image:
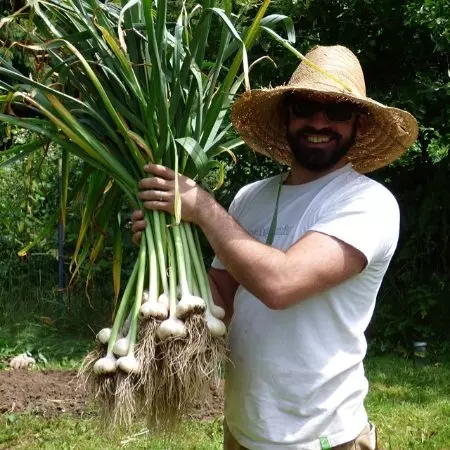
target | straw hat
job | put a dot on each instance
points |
(329, 73)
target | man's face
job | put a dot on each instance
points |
(320, 134)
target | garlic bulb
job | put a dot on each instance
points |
(104, 335)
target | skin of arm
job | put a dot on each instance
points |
(315, 263)
(223, 288)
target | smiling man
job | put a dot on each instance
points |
(321, 134)
(299, 305)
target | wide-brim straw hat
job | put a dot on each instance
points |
(329, 74)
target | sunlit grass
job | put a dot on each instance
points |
(410, 406)
(26, 432)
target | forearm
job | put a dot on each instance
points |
(221, 298)
(257, 266)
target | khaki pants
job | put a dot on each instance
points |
(365, 441)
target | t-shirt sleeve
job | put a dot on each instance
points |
(368, 220)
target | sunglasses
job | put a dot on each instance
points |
(336, 112)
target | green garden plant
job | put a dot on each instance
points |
(124, 86)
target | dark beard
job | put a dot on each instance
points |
(316, 159)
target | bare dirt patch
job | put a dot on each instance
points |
(46, 393)
(49, 393)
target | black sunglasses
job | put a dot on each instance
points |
(305, 108)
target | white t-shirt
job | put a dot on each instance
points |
(296, 378)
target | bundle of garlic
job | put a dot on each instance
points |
(166, 366)
(126, 86)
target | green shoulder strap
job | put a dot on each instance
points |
(273, 225)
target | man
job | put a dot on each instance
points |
(300, 306)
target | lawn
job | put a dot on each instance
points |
(26, 432)
(411, 406)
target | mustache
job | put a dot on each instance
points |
(303, 132)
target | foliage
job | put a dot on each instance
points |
(403, 48)
(28, 197)
(15, 55)
(413, 302)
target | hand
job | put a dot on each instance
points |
(158, 192)
(138, 226)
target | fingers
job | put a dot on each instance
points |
(137, 221)
(160, 171)
(136, 238)
(137, 215)
(159, 205)
(154, 195)
(155, 183)
(157, 192)
(138, 225)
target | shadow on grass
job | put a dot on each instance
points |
(56, 330)
(56, 346)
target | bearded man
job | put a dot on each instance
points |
(299, 303)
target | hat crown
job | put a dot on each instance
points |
(337, 61)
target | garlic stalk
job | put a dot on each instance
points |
(164, 300)
(108, 364)
(129, 363)
(173, 327)
(153, 308)
(188, 304)
(150, 306)
(105, 365)
(126, 326)
(159, 220)
(216, 310)
(215, 325)
(104, 335)
(122, 345)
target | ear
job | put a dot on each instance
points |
(362, 123)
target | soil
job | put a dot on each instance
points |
(52, 392)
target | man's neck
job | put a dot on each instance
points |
(300, 175)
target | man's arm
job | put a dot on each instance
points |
(314, 264)
(223, 288)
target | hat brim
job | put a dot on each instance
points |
(260, 119)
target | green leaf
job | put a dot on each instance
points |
(274, 19)
(117, 258)
(20, 151)
(196, 152)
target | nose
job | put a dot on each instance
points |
(319, 120)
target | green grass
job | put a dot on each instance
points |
(410, 406)
(52, 347)
(56, 329)
(25, 432)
